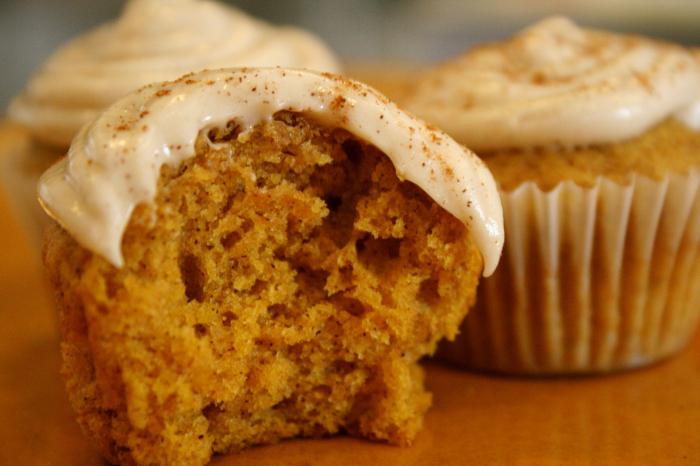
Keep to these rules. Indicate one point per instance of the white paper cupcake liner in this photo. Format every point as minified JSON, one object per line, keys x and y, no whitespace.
{"x":592,"y":279}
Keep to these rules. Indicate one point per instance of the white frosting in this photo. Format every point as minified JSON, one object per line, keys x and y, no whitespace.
{"x":114,"y":162}
{"x":555,"y":83}
{"x":153,"y":41}
{"x":691,"y":114}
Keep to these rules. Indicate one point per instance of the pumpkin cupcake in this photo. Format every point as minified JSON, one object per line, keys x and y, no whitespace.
{"x":152,"y":41}
{"x":593,"y":139}
{"x":248,"y":255}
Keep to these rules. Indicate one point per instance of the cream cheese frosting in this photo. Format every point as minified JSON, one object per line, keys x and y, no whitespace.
{"x":153,"y":41}
{"x":691,"y":114}
{"x":114,"y":163}
{"x":557,"y":83}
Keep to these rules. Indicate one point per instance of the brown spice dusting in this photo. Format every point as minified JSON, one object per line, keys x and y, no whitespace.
{"x":448,"y":172}
{"x":431,"y":127}
{"x":162,"y":92}
{"x":644,"y":80}
{"x":338,"y":103}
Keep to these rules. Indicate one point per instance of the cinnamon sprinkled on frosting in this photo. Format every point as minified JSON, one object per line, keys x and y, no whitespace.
{"x":556,"y":83}
{"x":114,"y":162}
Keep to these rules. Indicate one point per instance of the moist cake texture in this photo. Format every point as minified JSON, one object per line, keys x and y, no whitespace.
{"x":283,"y":283}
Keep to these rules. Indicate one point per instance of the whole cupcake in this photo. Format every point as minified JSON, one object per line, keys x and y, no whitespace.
{"x":248,"y":255}
{"x":592,"y":137}
{"x":152,"y":41}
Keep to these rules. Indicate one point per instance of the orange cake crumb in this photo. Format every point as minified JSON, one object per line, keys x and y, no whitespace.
{"x":283,"y":283}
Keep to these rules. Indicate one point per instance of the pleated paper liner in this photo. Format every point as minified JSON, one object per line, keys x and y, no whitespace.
{"x":592,"y":279}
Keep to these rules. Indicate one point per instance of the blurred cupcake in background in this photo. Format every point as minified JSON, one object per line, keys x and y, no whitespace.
{"x":593,"y":138}
{"x":153,"y":40}
{"x":395,"y":79}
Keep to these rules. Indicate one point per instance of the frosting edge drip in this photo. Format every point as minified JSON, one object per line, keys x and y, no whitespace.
{"x":114,"y":163}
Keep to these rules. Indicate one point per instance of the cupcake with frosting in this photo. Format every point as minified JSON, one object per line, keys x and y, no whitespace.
{"x":593,"y":139}
{"x":153,"y":40}
{"x":247,"y":255}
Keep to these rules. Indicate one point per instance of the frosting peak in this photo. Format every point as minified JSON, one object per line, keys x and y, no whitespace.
{"x":153,"y":41}
{"x":114,"y":163}
{"x":557,"y":83}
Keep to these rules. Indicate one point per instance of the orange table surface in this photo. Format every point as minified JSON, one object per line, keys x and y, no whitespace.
{"x":649,"y":416}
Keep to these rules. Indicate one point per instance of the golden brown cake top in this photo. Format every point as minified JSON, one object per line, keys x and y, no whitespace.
{"x":152,"y":41}
{"x":558,"y":83}
{"x":114,"y":163}
{"x":667,"y":148}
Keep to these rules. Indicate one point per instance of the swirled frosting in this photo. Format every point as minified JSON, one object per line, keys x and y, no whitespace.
{"x":114,"y":163}
{"x":153,"y":41}
{"x":556,"y":83}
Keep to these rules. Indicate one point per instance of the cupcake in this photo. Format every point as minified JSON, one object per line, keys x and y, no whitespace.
{"x":592,"y":138}
{"x":153,"y":40}
{"x":248,"y":255}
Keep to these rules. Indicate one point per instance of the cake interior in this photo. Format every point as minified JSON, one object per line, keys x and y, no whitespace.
{"x":284,"y":283}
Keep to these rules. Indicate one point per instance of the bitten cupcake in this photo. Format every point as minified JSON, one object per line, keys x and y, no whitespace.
{"x":248,"y":255}
{"x":593,"y":139}
{"x":152,"y":41}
